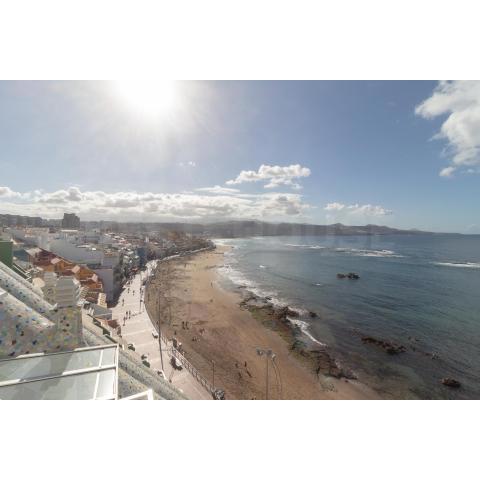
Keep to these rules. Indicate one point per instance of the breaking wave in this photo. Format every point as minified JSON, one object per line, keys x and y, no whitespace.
{"x":304,"y":327}
{"x":358,"y":252}
{"x":458,"y":264}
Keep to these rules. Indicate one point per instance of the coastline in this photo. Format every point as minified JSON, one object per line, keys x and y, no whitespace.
{"x":226,"y":327}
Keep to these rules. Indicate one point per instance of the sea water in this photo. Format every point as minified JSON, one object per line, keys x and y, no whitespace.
{"x":420,"y":291}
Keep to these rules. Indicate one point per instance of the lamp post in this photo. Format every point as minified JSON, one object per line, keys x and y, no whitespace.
{"x":268,"y":354}
{"x":213,"y":374}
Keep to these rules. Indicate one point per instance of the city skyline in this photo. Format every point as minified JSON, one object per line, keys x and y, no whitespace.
{"x":387,"y":153}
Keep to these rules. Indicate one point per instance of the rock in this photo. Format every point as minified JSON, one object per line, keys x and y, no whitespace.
{"x":350,"y":275}
{"x":451,"y":382}
{"x":283,"y":312}
{"x":292,"y":313}
{"x":312,"y":314}
{"x":390,"y":347}
{"x":329,"y":366}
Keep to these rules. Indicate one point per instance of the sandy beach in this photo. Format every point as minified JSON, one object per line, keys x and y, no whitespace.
{"x":222,"y":336}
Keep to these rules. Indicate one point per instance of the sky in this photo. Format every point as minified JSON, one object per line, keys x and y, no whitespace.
{"x":402,"y":154}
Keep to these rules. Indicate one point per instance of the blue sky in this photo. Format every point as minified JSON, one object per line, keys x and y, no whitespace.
{"x":354,"y":152}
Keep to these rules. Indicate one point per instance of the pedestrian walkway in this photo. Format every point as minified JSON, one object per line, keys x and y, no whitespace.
{"x":138,"y":329}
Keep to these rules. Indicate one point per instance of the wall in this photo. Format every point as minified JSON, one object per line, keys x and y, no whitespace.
{"x":6,"y":253}
{"x":106,"y":276}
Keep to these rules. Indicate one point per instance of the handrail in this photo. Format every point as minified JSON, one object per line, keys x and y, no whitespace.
{"x":171,"y":350}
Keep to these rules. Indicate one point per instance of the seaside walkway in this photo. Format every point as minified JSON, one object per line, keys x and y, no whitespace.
{"x":138,"y":330}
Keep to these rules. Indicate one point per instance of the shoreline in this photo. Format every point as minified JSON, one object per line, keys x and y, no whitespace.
{"x":220,"y":331}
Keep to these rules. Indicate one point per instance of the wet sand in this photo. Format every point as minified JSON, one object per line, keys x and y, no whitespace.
{"x":221,"y":337}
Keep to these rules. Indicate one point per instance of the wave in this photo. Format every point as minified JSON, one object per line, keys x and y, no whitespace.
{"x":314,"y":247}
{"x":304,"y":327}
{"x":357,"y":252}
{"x":240,"y":280}
{"x":223,"y":242}
{"x":363,"y":252}
{"x":458,"y":264}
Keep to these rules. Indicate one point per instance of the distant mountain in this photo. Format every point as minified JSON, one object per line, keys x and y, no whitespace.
{"x":251,"y":228}
{"x":255,"y":228}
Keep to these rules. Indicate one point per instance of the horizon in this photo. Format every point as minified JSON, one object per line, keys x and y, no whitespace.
{"x":247,"y":220}
{"x":403,"y":154}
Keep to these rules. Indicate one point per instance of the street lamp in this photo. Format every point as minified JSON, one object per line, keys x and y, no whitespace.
{"x":268,"y":354}
{"x":213,"y":374}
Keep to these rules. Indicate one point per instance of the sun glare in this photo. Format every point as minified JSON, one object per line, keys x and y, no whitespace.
{"x":154,"y":98}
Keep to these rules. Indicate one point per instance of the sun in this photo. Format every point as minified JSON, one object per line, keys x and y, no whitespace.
{"x":152,"y":98}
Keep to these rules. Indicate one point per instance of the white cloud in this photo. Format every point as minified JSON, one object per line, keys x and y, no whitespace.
{"x":357,"y":209}
{"x":447,"y":171}
{"x":148,"y":206}
{"x":7,"y":192}
{"x":335,"y":206}
{"x":460,"y":100}
{"x":275,"y":176}
{"x":217,"y":189}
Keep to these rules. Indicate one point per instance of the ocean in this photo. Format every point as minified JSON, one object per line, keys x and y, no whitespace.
{"x":420,"y":291}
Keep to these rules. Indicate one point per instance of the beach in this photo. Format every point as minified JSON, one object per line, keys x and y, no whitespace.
{"x":220,"y":334}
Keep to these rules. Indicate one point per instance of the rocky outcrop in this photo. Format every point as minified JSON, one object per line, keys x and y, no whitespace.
{"x":350,"y":275}
{"x":390,"y":347}
{"x":283,"y":312}
{"x":321,"y":360}
{"x":451,"y":382}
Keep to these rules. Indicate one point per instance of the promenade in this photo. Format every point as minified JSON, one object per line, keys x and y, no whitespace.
{"x":138,"y":330}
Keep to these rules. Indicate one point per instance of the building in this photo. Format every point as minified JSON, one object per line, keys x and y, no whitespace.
{"x":30,"y":324}
{"x":70,"y":220}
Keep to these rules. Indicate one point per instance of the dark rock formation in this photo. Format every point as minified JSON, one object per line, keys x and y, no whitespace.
{"x":350,"y":275}
{"x":390,"y":347}
{"x":284,"y":312}
{"x":451,"y":382}
{"x":312,"y":314}
{"x":328,"y":365}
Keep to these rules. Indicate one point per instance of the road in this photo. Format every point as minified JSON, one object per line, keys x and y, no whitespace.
{"x":138,"y":330}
